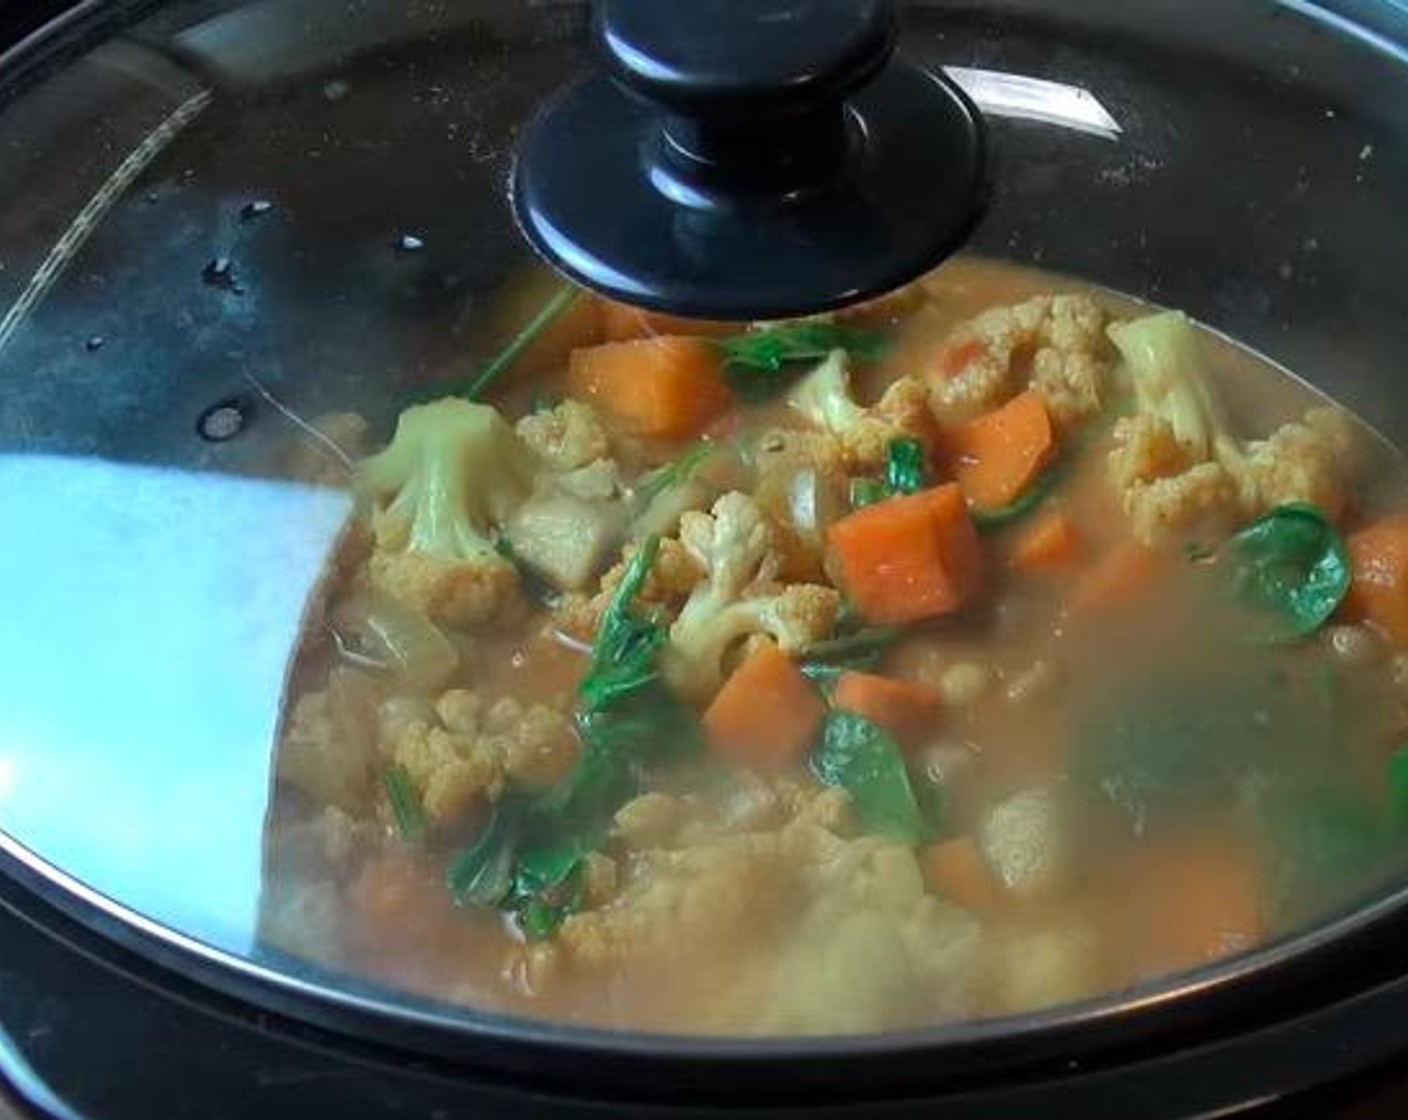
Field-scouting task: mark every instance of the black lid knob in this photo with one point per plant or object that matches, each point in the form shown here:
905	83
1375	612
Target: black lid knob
750	159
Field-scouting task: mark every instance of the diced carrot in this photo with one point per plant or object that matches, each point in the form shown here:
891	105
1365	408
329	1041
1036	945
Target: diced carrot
903	708
1001	452
767	714
1049	543
620	322
955	870
1379	590
1117	579
1194	899
909	558
667	388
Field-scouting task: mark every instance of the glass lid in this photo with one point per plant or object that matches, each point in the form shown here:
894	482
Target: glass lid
387	616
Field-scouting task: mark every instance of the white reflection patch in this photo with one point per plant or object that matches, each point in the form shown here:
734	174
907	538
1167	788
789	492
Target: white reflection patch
1035	99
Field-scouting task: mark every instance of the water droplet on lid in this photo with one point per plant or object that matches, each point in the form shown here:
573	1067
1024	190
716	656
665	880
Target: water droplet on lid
223	420
256	209
150	198
220	273
337	89
94	343
410	243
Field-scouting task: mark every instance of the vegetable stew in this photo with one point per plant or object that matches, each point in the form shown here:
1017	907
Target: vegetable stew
997	644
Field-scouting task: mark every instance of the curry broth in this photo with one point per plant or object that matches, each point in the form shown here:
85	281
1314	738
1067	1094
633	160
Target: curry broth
1023	677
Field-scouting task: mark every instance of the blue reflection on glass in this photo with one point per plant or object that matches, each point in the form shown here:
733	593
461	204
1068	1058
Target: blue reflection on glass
148	619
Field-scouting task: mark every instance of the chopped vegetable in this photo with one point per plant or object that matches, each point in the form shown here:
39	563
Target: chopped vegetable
868	491
539	590
627	721
1379	589
859	757
992	520
620	322
1293	566
452	473
503	361
674	473
1177	741
855	646
385	632
767	714
757	362
1118	578
906	472
1397	799
1324	843
405	805
564	539
1000	453
909	558
955	870
907	711
1050	543
1209	902
667	388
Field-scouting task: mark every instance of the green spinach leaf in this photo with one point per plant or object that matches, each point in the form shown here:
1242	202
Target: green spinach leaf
405	804
755	362
1291	565
905	472
863	760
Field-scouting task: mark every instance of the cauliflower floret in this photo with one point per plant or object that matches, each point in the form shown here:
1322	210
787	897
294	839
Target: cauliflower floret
711	902
444	589
672	577
736	545
865	434
465	749
329	767
1055	344
1300	462
1178	465
452	472
568	437
450	773
1163	490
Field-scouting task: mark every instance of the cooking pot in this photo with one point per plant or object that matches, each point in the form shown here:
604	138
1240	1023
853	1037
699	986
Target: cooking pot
221	217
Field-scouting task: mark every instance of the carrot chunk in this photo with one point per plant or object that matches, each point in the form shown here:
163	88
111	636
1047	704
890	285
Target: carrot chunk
667	388
767	714
1001	452
909	558
1117	579
955	870
1049	543
620	322
1378	591
904	709
1195	899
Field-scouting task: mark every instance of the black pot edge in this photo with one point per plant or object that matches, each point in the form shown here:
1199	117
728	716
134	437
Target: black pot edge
1281	986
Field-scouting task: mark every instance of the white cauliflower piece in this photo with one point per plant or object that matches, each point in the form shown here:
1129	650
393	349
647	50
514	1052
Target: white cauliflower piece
824	397
452	472
1179	467
1054	344
318	757
735	544
464	751
568	437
